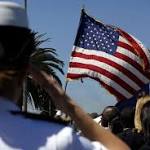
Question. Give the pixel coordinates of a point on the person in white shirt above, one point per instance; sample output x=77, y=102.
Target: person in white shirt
x=18, y=132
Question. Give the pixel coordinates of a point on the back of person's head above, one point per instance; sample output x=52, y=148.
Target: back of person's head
x=16, y=40
x=16, y=43
x=108, y=114
x=116, y=125
x=127, y=117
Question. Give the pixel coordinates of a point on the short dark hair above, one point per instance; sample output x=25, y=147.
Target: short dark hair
x=108, y=114
x=16, y=46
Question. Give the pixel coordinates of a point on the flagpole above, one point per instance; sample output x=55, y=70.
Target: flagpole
x=66, y=84
x=24, y=104
x=25, y=5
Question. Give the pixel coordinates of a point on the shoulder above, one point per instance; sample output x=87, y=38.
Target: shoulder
x=66, y=139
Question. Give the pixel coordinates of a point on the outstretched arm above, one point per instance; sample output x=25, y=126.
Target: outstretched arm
x=89, y=128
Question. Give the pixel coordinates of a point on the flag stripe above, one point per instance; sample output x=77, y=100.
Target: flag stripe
x=126, y=46
x=127, y=73
x=103, y=78
x=129, y=54
x=136, y=47
x=108, y=74
x=132, y=62
x=113, y=91
x=123, y=40
x=116, y=60
x=145, y=50
x=117, y=54
x=109, y=88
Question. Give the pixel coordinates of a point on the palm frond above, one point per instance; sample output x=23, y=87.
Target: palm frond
x=45, y=59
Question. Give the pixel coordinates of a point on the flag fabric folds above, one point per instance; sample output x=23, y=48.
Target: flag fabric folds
x=111, y=56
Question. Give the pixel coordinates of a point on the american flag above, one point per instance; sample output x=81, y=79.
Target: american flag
x=111, y=56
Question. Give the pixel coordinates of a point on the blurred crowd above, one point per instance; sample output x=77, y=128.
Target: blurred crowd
x=131, y=124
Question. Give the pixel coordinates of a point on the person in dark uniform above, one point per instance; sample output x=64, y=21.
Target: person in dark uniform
x=18, y=132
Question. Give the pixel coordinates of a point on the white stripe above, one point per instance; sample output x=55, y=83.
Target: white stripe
x=122, y=39
x=145, y=50
x=129, y=54
x=121, y=62
x=108, y=68
x=103, y=78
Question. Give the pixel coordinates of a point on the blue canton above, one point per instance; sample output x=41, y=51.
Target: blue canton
x=94, y=35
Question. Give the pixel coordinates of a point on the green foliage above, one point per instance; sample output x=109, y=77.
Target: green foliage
x=47, y=60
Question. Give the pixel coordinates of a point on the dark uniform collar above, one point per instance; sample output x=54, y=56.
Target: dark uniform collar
x=7, y=105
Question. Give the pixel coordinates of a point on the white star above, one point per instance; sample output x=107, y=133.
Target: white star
x=108, y=28
x=103, y=28
x=114, y=37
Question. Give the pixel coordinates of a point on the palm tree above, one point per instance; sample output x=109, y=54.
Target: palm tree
x=46, y=60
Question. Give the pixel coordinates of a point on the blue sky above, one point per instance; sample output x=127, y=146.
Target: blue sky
x=59, y=20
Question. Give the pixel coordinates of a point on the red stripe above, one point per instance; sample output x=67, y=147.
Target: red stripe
x=105, y=73
x=111, y=63
x=129, y=60
x=132, y=62
x=118, y=95
x=136, y=47
x=126, y=46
